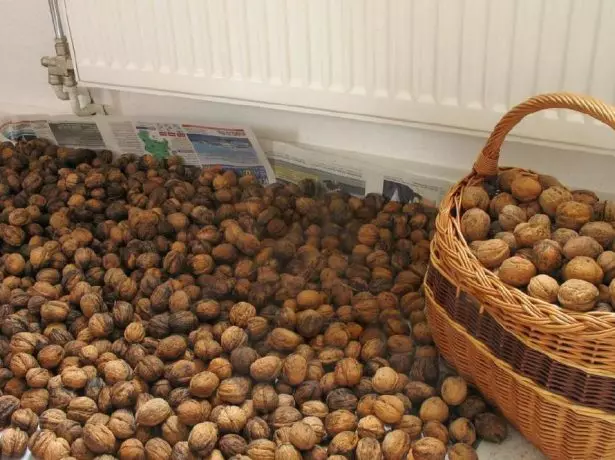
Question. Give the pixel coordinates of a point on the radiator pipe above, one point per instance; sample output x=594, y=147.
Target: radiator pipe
x=56, y=20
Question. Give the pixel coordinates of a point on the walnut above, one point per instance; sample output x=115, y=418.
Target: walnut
x=583, y=268
x=132, y=449
x=573, y=215
x=543, y=287
x=230, y=419
x=14, y=443
x=284, y=339
x=203, y=438
x=371, y=426
x=525, y=188
x=428, y=449
x=302, y=436
x=510, y=216
x=474, y=197
x=157, y=449
x=578, y=295
x=396, y=445
x=454, y=390
x=340, y=420
x=98, y=438
x=348, y=372
x=462, y=430
x=606, y=260
x=388, y=408
x=491, y=253
x=343, y=443
x=234, y=390
x=368, y=235
x=602, y=232
x=153, y=412
x=490, y=427
x=435, y=429
x=461, y=451
x=547, y=256
x=433, y=408
x=368, y=449
x=517, y=271
x=528, y=234
x=204, y=384
x=25, y=419
x=582, y=246
x=475, y=224
x=294, y=369
x=261, y=449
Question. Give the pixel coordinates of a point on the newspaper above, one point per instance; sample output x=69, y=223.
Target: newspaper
x=360, y=174
x=207, y=144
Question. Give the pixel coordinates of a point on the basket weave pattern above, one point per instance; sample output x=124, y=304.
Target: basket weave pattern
x=551, y=371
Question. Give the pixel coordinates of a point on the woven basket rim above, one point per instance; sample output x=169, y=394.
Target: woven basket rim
x=561, y=400
x=522, y=338
x=593, y=324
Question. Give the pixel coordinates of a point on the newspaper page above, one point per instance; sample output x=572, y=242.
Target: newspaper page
x=359, y=174
x=207, y=145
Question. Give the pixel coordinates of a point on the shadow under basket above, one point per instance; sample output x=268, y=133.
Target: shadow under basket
x=550, y=371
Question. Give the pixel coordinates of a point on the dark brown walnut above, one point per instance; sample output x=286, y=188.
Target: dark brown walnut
x=490, y=427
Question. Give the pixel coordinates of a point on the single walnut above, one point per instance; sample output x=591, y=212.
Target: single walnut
x=543, y=287
x=386, y=380
x=98, y=438
x=602, y=232
x=153, y=412
x=491, y=253
x=204, y=384
x=510, y=216
x=578, y=295
x=547, y=256
x=132, y=449
x=428, y=449
x=475, y=224
x=582, y=246
x=573, y=214
x=509, y=239
x=388, y=408
x=266, y=369
x=528, y=234
x=454, y=390
x=462, y=430
x=474, y=197
x=343, y=443
x=157, y=449
x=490, y=427
x=348, y=372
x=340, y=420
x=368, y=235
x=583, y=268
x=396, y=445
x=434, y=408
x=261, y=449
x=25, y=419
x=461, y=451
x=368, y=449
x=526, y=188
x=517, y=271
x=234, y=390
x=437, y=430
x=231, y=419
x=203, y=438
x=302, y=436
x=371, y=426
x=14, y=443
x=606, y=260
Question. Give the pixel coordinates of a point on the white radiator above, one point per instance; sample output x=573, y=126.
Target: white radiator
x=457, y=64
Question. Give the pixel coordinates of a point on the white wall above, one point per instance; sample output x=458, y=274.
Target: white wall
x=27, y=35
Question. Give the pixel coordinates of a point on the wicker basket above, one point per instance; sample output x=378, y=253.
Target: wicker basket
x=550, y=371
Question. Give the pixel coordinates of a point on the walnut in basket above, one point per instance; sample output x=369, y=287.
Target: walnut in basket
x=475, y=224
x=525, y=188
x=578, y=295
x=543, y=287
x=517, y=271
x=491, y=253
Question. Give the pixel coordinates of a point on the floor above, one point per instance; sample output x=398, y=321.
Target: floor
x=515, y=447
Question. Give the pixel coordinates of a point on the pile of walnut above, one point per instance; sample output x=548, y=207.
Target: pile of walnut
x=159, y=311
x=538, y=235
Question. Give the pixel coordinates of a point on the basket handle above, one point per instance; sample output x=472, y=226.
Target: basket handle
x=487, y=162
